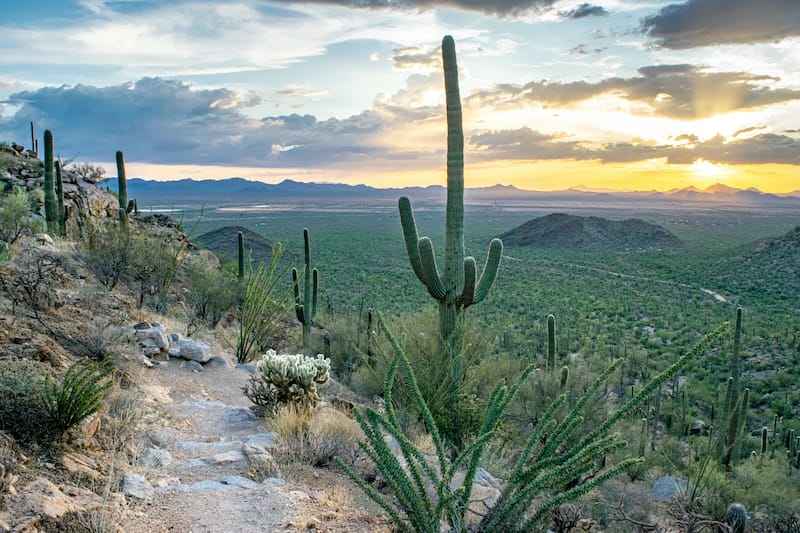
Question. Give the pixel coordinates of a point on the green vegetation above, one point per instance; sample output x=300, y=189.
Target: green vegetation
x=79, y=394
x=16, y=215
x=287, y=380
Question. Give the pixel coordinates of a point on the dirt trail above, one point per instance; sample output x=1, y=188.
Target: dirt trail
x=196, y=449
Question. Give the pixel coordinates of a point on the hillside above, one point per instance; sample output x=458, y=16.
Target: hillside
x=770, y=270
x=224, y=243
x=559, y=230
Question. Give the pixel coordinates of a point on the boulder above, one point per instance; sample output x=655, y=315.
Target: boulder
x=156, y=457
x=153, y=338
x=195, y=351
x=667, y=487
x=136, y=486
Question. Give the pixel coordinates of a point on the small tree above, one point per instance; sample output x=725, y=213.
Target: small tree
x=15, y=215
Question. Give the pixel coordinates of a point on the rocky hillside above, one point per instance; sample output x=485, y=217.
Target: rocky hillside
x=86, y=202
x=225, y=244
x=559, y=230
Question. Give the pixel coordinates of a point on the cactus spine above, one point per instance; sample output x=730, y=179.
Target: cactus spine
x=62, y=213
x=455, y=289
x=306, y=310
x=240, y=237
x=49, y=190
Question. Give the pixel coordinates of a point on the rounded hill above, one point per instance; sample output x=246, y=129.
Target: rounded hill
x=560, y=230
x=224, y=243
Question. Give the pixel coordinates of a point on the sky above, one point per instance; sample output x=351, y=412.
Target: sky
x=607, y=94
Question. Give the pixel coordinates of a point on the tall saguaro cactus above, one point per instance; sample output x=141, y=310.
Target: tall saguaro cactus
x=455, y=289
x=122, y=182
x=735, y=406
x=240, y=238
x=62, y=223
x=306, y=310
x=49, y=188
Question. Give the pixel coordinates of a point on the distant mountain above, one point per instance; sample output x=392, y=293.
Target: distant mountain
x=560, y=230
x=243, y=191
x=224, y=242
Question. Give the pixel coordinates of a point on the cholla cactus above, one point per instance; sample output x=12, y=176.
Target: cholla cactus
x=294, y=378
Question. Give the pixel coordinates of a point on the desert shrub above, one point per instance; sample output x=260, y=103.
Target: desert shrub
x=155, y=259
x=89, y=172
x=106, y=252
x=447, y=374
x=33, y=281
x=16, y=216
x=264, y=307
x=78, y=395
x=125, y=410
x=208, y=292
x=317, y=439
x=22, y=411
x=284, y=379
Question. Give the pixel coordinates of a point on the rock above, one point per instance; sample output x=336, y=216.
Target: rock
x=81, y=464
x=274, y=481
x=136, y=486
x=194, y=366
x=146, y=361
x=174, y=339
x=264, y=441
x=232, y=456
x=166, y=482
x=238, y=415
x=195, y=351
x=666, y=488
x=156, y=457
x=247, y=368
x=210, y=258
x=239, y=481
x=210, y=485
x=154, y=336
x=483, y=477
x=162, y=437
x=43, y=238
x=699, y=428
x=218, y=361
x=142, y=325
x=174, y=352
x=42, y=498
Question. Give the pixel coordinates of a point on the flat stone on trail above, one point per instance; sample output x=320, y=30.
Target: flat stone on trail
x=232, y=456
x=194, y=366
x=136, y=486
x=265, y=440
x=213, y=485
x=240, y=481
x=202, y=405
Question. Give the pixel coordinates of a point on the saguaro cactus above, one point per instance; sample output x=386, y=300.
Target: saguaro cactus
x=455, y=289
x=306, y=310
x=62, y=223
x=551, y=341
x=122, y=183
x=735, y=407
x=49, y=190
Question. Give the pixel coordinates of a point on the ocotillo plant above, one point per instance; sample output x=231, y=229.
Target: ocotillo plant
x=49, y=190
x=62, y=223
x=306, y=310
x=455, y=289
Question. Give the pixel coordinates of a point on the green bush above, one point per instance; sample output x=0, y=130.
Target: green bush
x=106, y=252
x=79, y=394
x=22, y=412
x=208, y=292
x=16, y=216
x=155, y=259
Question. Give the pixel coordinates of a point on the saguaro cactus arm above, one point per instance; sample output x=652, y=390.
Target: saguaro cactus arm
x=410, y=236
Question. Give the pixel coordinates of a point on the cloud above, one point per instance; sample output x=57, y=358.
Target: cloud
x=167, y=121
x=527, y=144
x=301, y=91
x=684, y=92
x=698, y=23
x=584, y=10
x=497, y=7
x=417, y=58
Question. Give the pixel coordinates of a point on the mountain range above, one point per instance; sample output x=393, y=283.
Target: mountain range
x=243, y=191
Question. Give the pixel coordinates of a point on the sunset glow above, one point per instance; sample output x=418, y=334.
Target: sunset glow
x=607, y=95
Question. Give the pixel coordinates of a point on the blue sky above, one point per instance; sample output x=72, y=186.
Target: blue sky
x=607, y=94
